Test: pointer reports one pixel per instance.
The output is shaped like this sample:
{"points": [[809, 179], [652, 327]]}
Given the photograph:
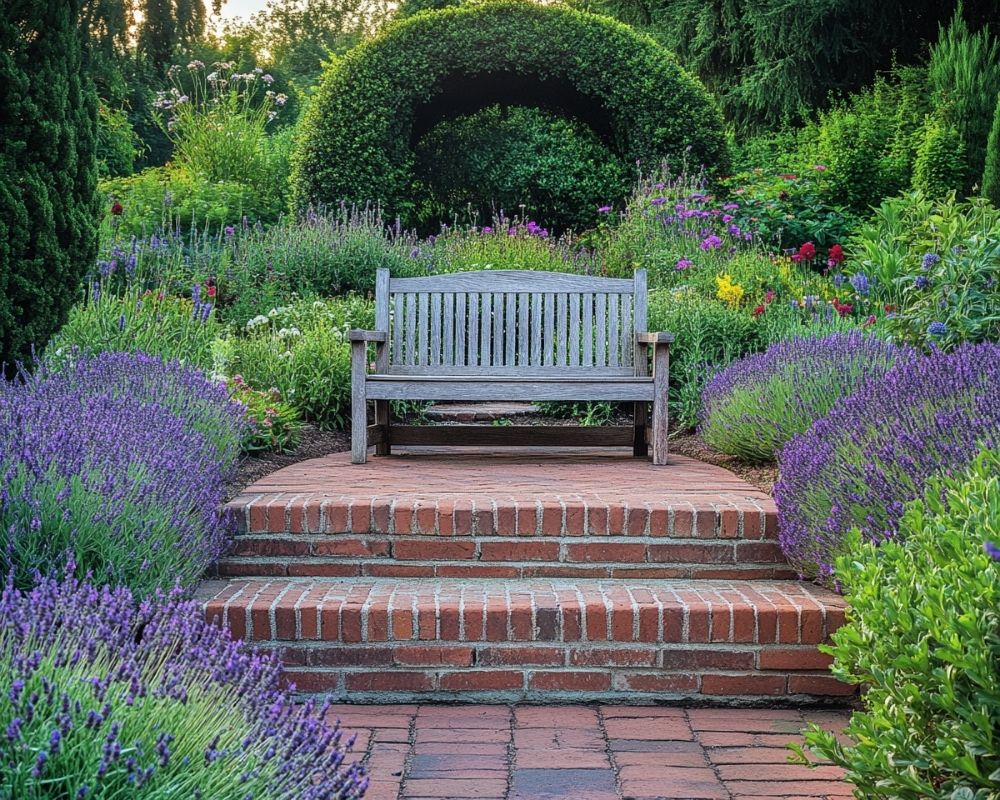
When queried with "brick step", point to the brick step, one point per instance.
{"points": [[502, 557], [385, 639], [479, 412]]}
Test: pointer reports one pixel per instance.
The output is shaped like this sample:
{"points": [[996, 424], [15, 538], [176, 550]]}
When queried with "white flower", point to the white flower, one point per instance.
{"points": [[257, 321], [319, 304], [268, 79]]}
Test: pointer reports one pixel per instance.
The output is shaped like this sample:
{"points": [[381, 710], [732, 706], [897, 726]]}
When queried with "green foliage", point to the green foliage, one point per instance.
{"points": [[964, 72], [936, 260], [355, 142], [940, 166], [555, 169], [118, 146], [48, 172], [130, 321], [924, 612], [273, 424], [991, 173], [302, 351], [590, 413]]}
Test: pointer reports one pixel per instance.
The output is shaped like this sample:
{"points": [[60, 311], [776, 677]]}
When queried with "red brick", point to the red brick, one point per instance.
{"points": [[570, 681], [479, 680], [552, 513], [729, 523], [819, 685], [519, 551], [337, 515], [709, 658], [325, 569], [611, 657], [518, 655], [350, 547], [506, 518], [606, 551], [737, 685], [597, 519], [658, 682], [793, 659], [426, 516], [255, 569], [759, 553], [270, 547], [682, 553], [388, 682], [350, 657], [432, 656], [433, 549]]}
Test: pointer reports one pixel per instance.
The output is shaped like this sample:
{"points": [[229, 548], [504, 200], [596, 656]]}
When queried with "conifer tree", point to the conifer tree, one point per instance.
{"points": [[991, 175], [48, 171]]}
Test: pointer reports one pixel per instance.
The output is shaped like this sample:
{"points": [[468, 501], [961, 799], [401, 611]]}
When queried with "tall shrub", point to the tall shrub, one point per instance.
{"points": [[940, 166], [964, 72], [991, 173], [48, 171]]}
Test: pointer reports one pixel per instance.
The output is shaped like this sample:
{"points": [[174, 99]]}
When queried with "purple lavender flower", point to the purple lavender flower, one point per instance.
{"points": [[937, 329], [604, 210], [175, 666], [861, 284], [992, 550], [712, 242], [921, 282], [683, 263], [859, 465], [929, 260]]}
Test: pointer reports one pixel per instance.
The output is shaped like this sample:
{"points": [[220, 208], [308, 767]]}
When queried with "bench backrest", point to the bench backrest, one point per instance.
{"points": [[510, 322]]}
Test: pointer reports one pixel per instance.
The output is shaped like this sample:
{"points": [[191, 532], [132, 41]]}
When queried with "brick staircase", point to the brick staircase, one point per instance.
{"points": [[546, 578]]}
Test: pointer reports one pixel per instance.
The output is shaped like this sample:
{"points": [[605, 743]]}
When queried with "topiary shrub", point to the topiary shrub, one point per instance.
{"points": [[991, 173], [757, 404], [375, 104], [108, 696], [923, 617], [940, 166], [859, 465], [507, 159], [118, 460], [48, 171]]}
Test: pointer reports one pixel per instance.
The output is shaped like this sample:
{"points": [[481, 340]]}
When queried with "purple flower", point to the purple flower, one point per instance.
{"points": [[861, 284], [921, 282], [992, 550], [658, 201], [712, 242], [684, 263], [604, 210], [229, 231], [929, 260], [937, 329]]}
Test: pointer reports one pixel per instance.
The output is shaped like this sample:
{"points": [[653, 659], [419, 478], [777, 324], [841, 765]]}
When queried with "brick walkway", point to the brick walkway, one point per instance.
{"points": [[587, 753]]}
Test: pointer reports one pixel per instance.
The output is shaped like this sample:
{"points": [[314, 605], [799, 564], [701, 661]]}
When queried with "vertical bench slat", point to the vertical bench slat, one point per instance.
{"points": [[574, 330], [627, 325], [411, 329], [485, 327], [613, 346], [600, 357], [448, 333], [523, 329], [423, 325], [498, 349], [473, 330], [587, 334], [536, 330], [561, 329], [460, 300], [435, 354], [510, 330], [382, 317], [397, 329], [548, 333], [638, 313]]}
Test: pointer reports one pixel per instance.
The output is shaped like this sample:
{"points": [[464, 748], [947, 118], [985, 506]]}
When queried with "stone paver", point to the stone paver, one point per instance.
{"points": [[425, 752]]}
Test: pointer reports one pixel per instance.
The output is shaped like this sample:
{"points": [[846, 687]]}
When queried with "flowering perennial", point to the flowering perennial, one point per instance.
{"points": [[859, 465], [109, 697], [753, 407], [118, 458]]}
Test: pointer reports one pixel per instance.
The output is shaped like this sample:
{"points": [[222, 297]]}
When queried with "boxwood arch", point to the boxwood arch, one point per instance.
{"points": [[357, 139]]}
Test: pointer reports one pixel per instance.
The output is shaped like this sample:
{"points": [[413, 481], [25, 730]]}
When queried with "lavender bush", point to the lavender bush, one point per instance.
{"points": [[757, 404], [108, 697], [859, 465], [119, 459]]}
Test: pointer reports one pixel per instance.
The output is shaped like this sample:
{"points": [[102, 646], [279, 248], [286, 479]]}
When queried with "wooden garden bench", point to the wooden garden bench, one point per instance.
{"points": [[509, 335]]}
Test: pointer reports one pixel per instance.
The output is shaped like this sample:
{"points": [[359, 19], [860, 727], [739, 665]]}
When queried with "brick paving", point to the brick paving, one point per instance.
{"points": [[420, 752]]}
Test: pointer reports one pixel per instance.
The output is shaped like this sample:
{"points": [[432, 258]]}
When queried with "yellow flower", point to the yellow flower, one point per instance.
{"points": [[728, 292]]}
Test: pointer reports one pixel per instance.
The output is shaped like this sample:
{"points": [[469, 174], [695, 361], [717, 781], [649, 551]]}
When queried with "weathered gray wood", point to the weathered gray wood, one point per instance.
{"points": [[613, 329], [397, 329], [536, 330], [448, 335], [497, 329], [411, 329], [529, 371], [423, 326], [381, 437], [661, 371], [485, 328], [601, 321], [639, 300], [510, 329], [446, 387], [382, 317], [473, 330], [654, 338], [588, 330], [561, 330], [460, 302], [627, 344], [574, 330], [359, 402], [359, 335], [512, 280], [512, 435], [435, 337], [523, 329], [640, 447], [548, 332]]}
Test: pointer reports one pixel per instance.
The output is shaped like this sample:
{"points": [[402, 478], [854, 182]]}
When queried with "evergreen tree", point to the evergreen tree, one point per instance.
{"points": [[48, 171], [158, 34], [991, 175]]}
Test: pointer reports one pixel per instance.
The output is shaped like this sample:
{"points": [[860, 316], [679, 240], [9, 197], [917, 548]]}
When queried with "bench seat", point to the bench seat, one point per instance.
{"points": [[506, 387]]}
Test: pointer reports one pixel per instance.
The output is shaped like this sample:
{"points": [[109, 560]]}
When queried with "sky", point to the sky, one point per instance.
{"points": [[239, 8]]}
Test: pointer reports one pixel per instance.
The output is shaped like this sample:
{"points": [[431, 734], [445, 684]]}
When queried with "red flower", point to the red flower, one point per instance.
{"points": [[769, 296], [796, 257], [869, 321], [789, 177], [117, 209], [842, 308], [889, 308], [758, 310], [211, 290], [807, 251], [836, 254]]}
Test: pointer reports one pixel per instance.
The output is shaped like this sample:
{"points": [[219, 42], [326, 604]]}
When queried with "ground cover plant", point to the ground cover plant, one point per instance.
{"points": [[860, 464], [922, 638], [117, 460], [755, 406], [107, 696]]}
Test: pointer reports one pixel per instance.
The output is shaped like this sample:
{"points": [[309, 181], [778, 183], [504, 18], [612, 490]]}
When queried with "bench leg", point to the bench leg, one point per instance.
{"points": [[359, 403], [384, 447], [639, 417], [661, 372]]}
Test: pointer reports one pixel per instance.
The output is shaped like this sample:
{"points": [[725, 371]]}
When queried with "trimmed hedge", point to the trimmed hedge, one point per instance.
{"points": [[374, 104]]}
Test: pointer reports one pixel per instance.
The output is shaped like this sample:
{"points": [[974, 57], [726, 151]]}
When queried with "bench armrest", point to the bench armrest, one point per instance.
{"points": [[358, 335], [654, 338]]}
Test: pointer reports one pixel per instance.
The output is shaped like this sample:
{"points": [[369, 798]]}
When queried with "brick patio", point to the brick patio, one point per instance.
{"points": [[587, 753]]}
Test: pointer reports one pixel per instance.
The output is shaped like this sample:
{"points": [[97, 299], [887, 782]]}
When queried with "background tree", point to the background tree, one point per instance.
{"points": [[48, 173]]}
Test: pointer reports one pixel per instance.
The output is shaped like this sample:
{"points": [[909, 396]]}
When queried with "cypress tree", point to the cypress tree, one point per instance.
{"points": [[991, 175], [48, 173]]}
